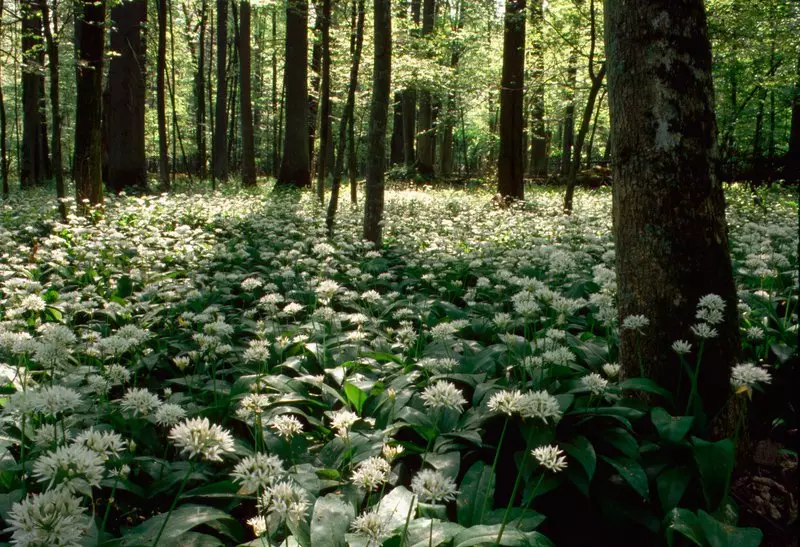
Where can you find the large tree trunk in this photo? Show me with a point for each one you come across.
(90, 19)
(127, 164)
(668, 206)
(219, 152)
(32, 168)
(248, 141)
(314, 77)
(325, 100)
(379, 112)
(200, 93)
(161, 95)
(295, 169)
(537, 167)
(427, 136)
(346, 123)
(276, 117)
(510, 183)
(55, 106)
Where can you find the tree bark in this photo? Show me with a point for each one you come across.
(295, 169)
(409, 127)
(325, 100)
(426, 136)
(200, 93)
(793, 157)
(276, 117)
(127, 164)
(568, 127)
(90, 19)
(346, 123)
(668, 206)
(248, 139)
(32, 167)
(379, 112)
(161, 96)
(3, 135)
(219, 152)
(314, 77)
(396, 155)
(55, 105)
(537, 167)
(510, 183)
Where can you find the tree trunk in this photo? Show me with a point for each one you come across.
(426, 137)
(409, 127)
(537, 167)
(248, 139)
(55, 106)
(346, 123)
(568, 127)
(793, 156)
(379, 112)
(325, 100)
(295, 169)
(276, 117)
(200, 94)
(127, 164)
(32, 168)
(3, 135)
(590, 145)
(314, 77)
(219, 151)
(90, 19)
(668, 206)
(396, 156)
(161, 96)
(510, 183)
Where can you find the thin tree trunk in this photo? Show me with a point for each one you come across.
(125, 131)
(568, 127)
(669, 210)
(295, 167)
(314, 77)
(200, 93)
(325, 100)
(409, 127)
(346, 123)
(3, 135)
(32, 166)
(233, 87)
(396, 156)
(510, 183)
(276, 118)
(55, 106)
(90, 19)
(590, 145)
(161, 92)
(248, 144)
(379, 113)
(537, 166)
(426, 137)
(793, 156)
(219, 152)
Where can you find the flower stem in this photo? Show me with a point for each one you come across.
(494, 467)
(513, 495)
(174, 502)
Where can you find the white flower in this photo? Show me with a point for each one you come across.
(702, 330)
(681, 347)
(551, 457)
(54, 400)
(712, 302)
(54, 518)
(198, 437)
(746, 375)
(139, 401)
(443, 395)
(754, 333)
(372, 525)
(169, 414)
(596, 383)
(251, 284)
(257, 472)
(259, 525)
(286, 426)
(540, 405)
(635, 322)
(74, 467)
(286, 500)
(612, 369)
(258, 351)
(342, 420)
(117, 374)
(106, 443)
(433, 486)
(371, 473)
(505, 402)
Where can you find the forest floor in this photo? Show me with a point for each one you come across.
(380, 382)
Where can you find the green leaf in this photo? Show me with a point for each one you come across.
(356, 396)
(582, 450)
(421, 534)
(478, 483)
(124, 286)
(672, 429)
(648, 386)
(671, 484)
(632, 472)
(622, 441)
(396, 506)
(479, 535)
(715, 464)
(685, 523)
(330, 520)
(719, 534)
(182, 519)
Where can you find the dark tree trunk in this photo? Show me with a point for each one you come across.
(396, 156)
(295, 169)
(248, 141)
(276, 117)
(314, 77)
(127, 164)
(55, 106)
(510, 183)
(32, 167)
(668, 206)
(233, 87)
(793, 157)
(378, 117)
(325, 100)
(537, 167)
(590, 145)
(409, 127)
(568, 127)
(219, 152)
(346, 123)
(3, 135)
(200, 94)
(161, 96)
(90, 19)
(427, 136)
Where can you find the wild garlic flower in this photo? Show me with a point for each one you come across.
(433, 486)
(75, 468)
(198, 437)
(54, 518)
(286, 426)
(139, 401)
(251, 284)
(612, 370)
(711, 302)
(287, 501)
(371, 473)
(754, 333)
(635, 322)
(108, 444)
(390, 452)
(443, 395)
(257, 472)
(169, 414)
(746, 375)
(252, 407)
(540, 405)
(703, 330)
(550, 457)
(505, 402)
(371, 525)
(595, 383)
(55, 400)
(681, 347)
(116, 374)
(259, 525)
(341, 421)
(258, 352)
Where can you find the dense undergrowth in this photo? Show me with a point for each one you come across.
(211, 369)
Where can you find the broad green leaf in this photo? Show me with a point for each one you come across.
(715, 462)
(719, 534)
(182, 519)
(647, 385)
(672, 429)
(396, 506)
(483, 534)
(422, 534)
(671, 484)
(355, 395)
(621, 440)
(685, 523)
(632, 472)
(477, 485)
(330, 521)
(582, 450)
